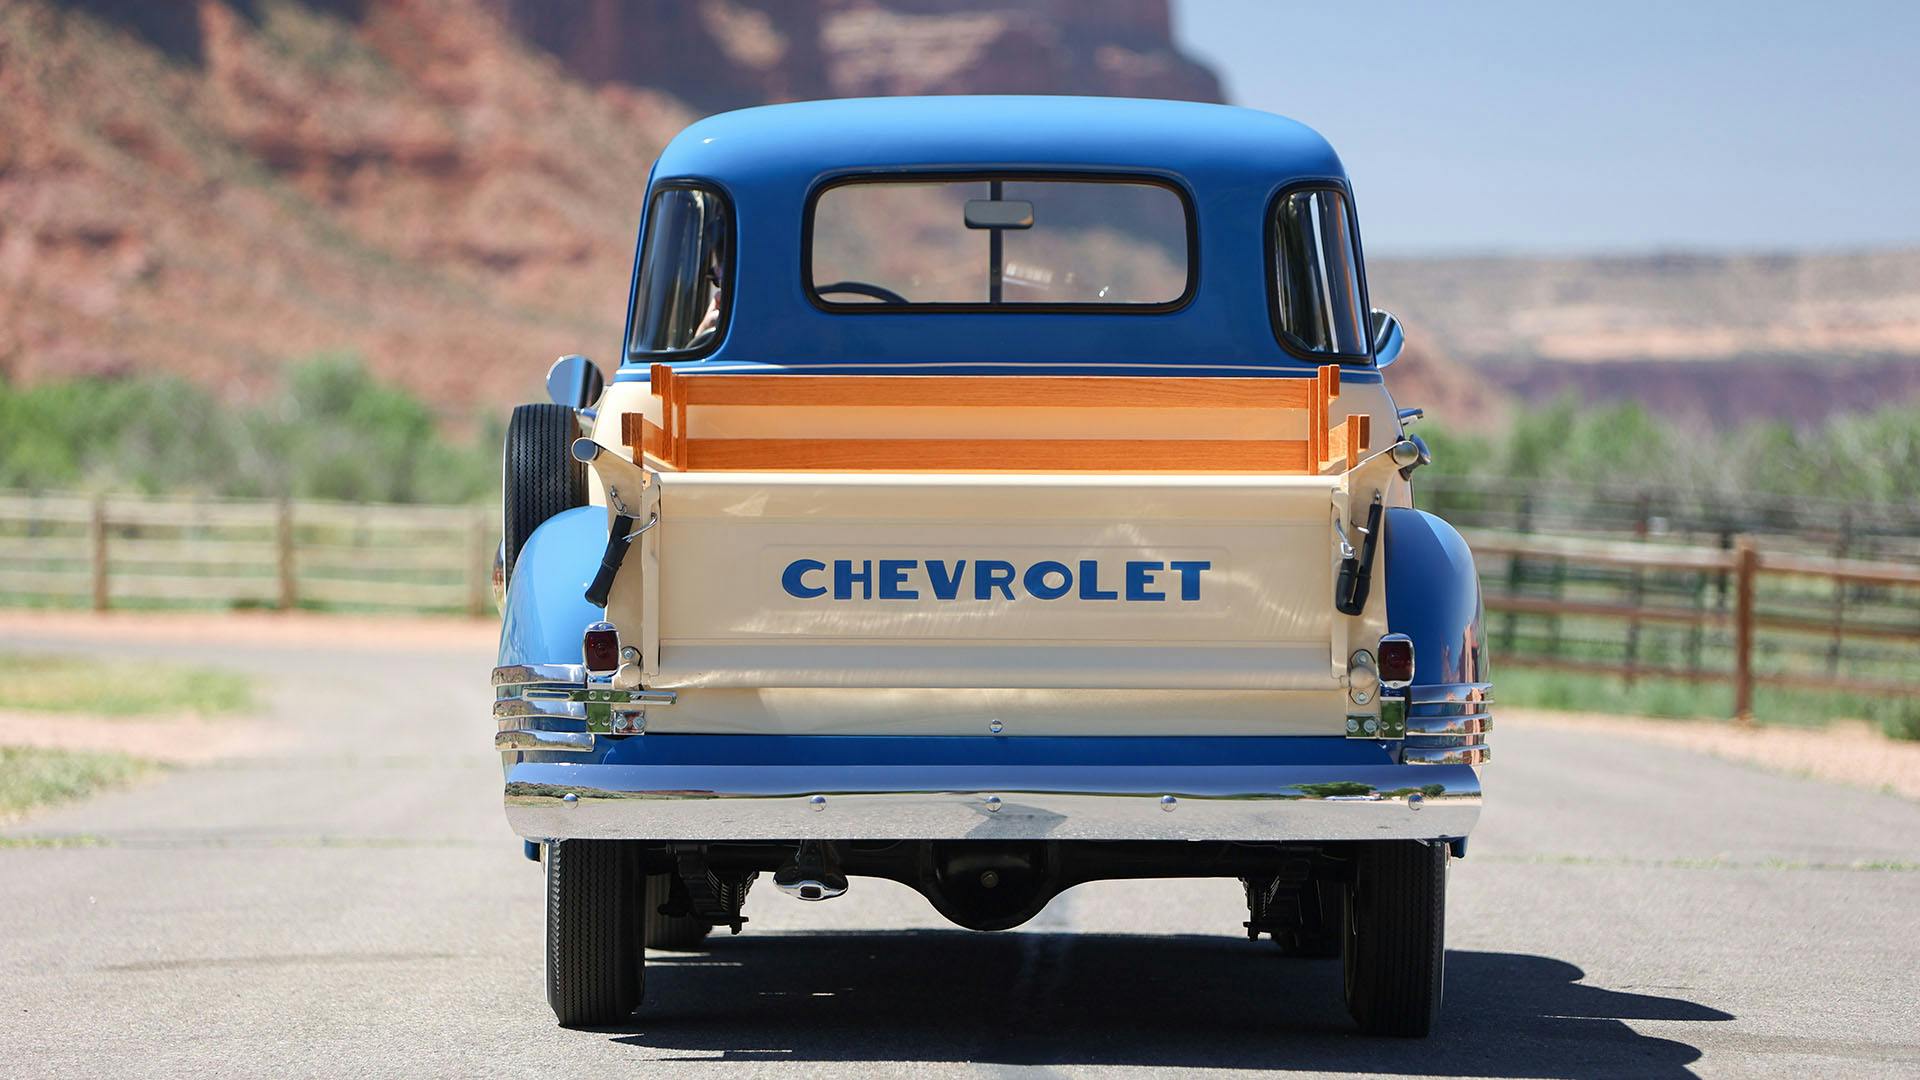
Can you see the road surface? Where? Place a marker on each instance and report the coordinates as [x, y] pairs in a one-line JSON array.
[[347, 901]]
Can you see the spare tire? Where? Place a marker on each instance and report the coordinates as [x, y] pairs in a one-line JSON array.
[[538, 475]]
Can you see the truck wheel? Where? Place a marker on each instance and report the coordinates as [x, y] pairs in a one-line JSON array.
[[676, 933], [1322, 905], [595, 966], [1395, 941], [538, 475]]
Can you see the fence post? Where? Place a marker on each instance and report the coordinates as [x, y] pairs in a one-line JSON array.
[[283, 546], [97, 544], [479, 564], [1746, 562]]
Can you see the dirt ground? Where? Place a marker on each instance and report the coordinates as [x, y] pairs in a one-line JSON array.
[[1845, 751], [263, 628]]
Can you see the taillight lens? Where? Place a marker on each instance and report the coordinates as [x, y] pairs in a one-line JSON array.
[[1396, 661], [600, 649]]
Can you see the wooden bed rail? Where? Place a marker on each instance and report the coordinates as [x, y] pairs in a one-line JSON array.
[[669, 445]]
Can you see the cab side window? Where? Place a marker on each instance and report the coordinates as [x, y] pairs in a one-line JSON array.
[[1316, 274], [680, 300]]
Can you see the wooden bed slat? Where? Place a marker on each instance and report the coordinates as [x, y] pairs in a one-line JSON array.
[[669, 446], [1348, 440], [1002, 391], [988, 455]]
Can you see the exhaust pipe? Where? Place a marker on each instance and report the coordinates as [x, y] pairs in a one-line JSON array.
[[812, 874]]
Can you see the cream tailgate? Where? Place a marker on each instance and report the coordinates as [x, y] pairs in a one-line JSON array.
[[969, 603]]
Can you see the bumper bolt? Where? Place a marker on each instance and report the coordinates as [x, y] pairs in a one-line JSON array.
[[1372, 726], [570, 798], [816, 803], [1168, 802], [1415, 801], [996, 726], [993, 804]]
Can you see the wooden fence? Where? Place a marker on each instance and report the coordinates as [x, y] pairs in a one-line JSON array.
[[168, 551], [1766, 613], [1742, 615], [1844, 528]]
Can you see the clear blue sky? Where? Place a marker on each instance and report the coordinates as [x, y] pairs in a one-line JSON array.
[[1573, 127]]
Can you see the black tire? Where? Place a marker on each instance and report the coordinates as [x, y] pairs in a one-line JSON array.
[[538, 474], [1395, 940], [675, 933], [1323, 913], [595, 965]]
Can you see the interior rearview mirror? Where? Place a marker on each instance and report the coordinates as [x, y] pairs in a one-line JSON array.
[[1388, 339], [999, 214], [575, 382]]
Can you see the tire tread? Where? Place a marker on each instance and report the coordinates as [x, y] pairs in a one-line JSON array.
[[593, 960], [1395, 968]]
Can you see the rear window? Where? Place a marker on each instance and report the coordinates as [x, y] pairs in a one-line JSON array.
[[1000, 243]]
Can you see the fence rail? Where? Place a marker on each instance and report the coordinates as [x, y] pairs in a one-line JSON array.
[[168, 551], [1847, 528], [1742, 615]]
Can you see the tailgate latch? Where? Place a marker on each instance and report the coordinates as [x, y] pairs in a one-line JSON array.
[[1355, 582]]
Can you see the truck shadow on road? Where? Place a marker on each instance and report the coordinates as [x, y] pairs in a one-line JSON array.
[[1187, 1001]]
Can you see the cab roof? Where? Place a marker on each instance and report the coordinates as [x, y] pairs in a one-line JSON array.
[[768, 161], [799, 141]]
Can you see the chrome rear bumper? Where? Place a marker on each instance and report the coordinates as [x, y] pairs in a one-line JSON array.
[[580, 767], [563, 800]]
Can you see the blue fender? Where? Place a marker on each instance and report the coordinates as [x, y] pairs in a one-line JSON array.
[[1433, 597], [546, 609]]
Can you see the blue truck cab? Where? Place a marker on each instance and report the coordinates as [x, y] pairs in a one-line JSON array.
[[995, 494]]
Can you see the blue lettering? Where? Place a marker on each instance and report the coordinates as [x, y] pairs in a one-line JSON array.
[[844, 577], [893, 575], [1139, 576], [1190, 578], [989, 574], [946, 584], [1090, 582], [794, 579], [1037, 580]]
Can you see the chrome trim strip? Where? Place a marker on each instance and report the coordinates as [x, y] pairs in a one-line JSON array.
[[522, 708], [1444, 755], [528, 674], [563, 741], [1446, 740], [562, 800], [1450, 724], [1445, 693]]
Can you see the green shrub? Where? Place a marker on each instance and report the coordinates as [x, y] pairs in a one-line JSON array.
[[333, 433]]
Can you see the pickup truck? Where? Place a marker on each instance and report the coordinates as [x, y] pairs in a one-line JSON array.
[[994, 495]]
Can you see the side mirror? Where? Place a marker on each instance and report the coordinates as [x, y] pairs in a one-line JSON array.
[[1388, 338], [1411, 453], [575, 382]]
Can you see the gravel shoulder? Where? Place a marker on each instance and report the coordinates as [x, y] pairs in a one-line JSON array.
[[1847, 752]]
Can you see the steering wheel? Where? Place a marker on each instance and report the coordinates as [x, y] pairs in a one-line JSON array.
[[861, 288]]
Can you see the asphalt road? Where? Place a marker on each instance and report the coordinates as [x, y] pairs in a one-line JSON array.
[[350, 902]]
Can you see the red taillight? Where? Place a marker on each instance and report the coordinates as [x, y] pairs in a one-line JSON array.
[[600, 649], [1396, 661]]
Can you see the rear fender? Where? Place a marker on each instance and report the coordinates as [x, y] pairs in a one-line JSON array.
[[1433, 597], [546, 610]]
